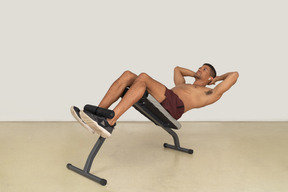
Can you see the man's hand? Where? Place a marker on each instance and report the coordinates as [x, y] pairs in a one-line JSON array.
[[196, 76], [214, 80], [223, 77]]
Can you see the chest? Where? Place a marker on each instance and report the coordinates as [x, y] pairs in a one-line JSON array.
[[197, 90]]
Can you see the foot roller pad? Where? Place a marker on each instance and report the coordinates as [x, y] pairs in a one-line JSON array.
[[99, 111]]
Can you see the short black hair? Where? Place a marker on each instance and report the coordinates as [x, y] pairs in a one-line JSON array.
[[212, 71]]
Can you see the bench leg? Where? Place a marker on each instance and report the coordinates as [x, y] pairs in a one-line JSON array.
[[176, 145], [86, 171]]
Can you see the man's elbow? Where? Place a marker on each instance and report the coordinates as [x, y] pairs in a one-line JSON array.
[[177, 71], [177, 68], [235, 75]]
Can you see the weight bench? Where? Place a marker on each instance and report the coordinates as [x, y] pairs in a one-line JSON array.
[[154, 111]]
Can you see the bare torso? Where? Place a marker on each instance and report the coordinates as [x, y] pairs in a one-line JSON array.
[[193, 96]]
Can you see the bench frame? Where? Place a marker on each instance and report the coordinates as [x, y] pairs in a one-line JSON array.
[[150, 108]]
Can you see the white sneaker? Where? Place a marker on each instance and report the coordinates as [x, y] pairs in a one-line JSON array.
[[99, 124], [75, 112]]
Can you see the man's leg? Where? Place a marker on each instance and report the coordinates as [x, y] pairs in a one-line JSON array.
[[142, 83], [117, 88]]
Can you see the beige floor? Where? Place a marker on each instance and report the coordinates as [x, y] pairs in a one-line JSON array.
[[229, 157]]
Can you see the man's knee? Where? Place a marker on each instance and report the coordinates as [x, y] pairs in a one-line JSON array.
[[129, 75], [143, 76]]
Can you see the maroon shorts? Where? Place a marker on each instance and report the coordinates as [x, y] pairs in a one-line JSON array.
[[173, 104]]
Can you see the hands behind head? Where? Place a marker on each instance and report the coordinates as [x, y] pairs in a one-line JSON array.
[[214, 80], [196, 76]]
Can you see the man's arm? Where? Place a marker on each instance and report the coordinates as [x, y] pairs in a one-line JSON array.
[[180, 73], [228, 80]]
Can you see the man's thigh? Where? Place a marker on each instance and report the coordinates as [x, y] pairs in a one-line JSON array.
[[155, 88]]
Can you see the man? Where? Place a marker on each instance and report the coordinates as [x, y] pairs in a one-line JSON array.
[[180, 99]]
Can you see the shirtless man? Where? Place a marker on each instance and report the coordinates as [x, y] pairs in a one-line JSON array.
[[180, 99]]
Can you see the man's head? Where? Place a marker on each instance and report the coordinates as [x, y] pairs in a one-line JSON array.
[[207, 72], [212, 70]]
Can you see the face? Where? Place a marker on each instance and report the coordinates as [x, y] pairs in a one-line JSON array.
[[204, 72]]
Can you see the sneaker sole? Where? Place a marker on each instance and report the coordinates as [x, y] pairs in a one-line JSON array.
[[94, 125], [74, 114]]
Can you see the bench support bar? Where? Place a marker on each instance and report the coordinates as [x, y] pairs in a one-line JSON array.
[[86, 171]]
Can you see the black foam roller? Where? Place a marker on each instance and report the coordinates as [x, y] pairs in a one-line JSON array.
[[99, 111]]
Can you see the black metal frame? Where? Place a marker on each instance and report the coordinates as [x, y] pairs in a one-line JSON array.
[[86, 171], [147, 109]]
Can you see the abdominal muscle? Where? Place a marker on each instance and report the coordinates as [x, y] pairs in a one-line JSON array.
[[191, 96]]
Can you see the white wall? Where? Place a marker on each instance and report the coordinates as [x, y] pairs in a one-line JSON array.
[[55, 54]]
